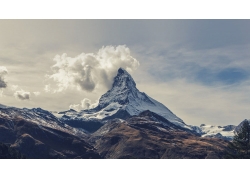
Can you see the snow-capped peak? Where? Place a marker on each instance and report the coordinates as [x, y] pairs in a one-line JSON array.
[[123, 79], [125, 99], [123, 85]]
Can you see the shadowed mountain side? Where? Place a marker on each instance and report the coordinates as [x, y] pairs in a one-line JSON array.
[[87, 126], [7, 152]]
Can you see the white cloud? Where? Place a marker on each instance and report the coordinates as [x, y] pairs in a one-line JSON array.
[[22, 95], [89, 71], [47, 88], [3, 73], [3, 70], [85, 104], [37, 93], [13, 87], [93, 105]]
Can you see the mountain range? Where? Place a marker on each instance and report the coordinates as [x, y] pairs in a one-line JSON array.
[[126, 123]]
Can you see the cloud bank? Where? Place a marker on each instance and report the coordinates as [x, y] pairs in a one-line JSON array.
[[89, 71], [22, 95], [3, 73]]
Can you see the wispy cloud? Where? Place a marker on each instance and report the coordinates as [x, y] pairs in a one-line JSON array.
[[199, 86], [47, 88], [37, 93], [3, 73], [211, 66], [13, 87]]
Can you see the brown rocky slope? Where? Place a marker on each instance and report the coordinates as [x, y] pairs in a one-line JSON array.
[[38, 134], [150, 136]]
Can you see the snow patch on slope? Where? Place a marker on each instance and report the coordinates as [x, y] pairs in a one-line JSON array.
[[40, 117], [110, 110]]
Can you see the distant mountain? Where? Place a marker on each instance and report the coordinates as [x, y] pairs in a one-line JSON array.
[[37, 133], [223, 132], [123, 100], [2, 106]]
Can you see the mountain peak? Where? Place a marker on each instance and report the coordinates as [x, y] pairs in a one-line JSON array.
[[124, 99], [121, 71], [123, 85], [123, 80]]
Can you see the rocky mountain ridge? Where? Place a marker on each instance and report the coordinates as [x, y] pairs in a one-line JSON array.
[[126, 123]]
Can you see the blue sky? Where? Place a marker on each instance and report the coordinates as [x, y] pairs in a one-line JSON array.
[[198, 68]]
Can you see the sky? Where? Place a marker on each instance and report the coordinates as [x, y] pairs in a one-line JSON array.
[[199, 69]]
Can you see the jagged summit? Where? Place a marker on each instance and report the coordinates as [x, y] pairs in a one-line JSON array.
[[123, 79], [124, 100], [122, 89]]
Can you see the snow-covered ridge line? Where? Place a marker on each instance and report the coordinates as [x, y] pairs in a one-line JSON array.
[[43, 118]]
